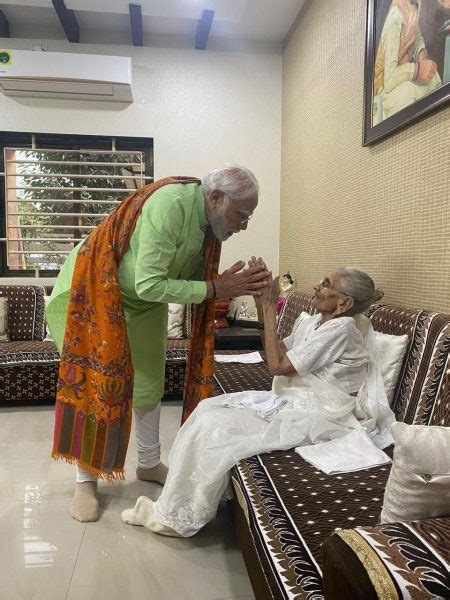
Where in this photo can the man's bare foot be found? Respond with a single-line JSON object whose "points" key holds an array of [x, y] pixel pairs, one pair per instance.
{"points": [[84, 505], [157, 474]]}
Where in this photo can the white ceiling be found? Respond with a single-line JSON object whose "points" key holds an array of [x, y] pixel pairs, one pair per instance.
{"points": [[255, 20]]}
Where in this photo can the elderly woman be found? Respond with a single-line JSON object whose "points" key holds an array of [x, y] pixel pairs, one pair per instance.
{"points": [[325, 385]]}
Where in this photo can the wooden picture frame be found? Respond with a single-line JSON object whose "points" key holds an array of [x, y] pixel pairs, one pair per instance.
{"points": [[389, 110]]}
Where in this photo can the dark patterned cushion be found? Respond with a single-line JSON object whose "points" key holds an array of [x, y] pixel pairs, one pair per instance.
{"points": [[398, 560], [28, 352], [177, 345], [30, 383], [176, 360], [235, 377], [26, 311]]}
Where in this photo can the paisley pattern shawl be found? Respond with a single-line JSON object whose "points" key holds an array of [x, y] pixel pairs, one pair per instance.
{"points": [[199, 378], [95, 383]]}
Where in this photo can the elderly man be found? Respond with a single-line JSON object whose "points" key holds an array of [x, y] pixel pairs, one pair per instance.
{"points": [[108, 315]]}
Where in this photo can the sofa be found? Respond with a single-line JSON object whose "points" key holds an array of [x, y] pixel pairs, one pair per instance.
{"points": [[29, 363], [295, 525]]}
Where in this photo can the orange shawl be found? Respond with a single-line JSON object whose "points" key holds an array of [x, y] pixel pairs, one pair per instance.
{"points": [[95, 384], [199, 377]]}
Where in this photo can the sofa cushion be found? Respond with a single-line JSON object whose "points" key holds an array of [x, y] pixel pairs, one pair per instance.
{"points": [[391, 353], [237, 377], [29, 382], [174, 348], [419, 482], [395, 560], [26, 311], [28, 353]]}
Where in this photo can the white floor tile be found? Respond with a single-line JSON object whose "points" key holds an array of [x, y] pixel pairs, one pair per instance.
{"points": [[46, 555], [38, 548]]}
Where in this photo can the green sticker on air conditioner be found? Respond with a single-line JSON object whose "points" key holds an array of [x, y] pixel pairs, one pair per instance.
{"points": [[5, 57]]}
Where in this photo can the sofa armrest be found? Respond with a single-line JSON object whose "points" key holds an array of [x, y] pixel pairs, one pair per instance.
{"points": [[392, 560]]}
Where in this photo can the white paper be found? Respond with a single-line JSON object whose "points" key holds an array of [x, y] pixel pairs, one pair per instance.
{"points": [[250, 358], [353, 452]]}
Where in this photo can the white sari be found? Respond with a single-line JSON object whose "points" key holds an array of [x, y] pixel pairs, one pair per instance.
{"points": [[337, 389]]}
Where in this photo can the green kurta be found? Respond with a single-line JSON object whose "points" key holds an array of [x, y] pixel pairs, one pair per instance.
{"points": [[165, 252]]}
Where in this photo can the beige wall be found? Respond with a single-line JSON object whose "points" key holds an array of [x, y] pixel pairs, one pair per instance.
{"points": [[202, 109], [385, 208]]}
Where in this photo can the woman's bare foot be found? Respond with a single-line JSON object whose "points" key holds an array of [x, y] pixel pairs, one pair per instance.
{"points": [[142, 514]]}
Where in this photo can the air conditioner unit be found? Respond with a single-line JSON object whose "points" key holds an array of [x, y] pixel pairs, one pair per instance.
{"points": [[65, 75]]}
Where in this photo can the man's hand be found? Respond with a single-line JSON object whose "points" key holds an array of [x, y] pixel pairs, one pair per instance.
{"points": [[237, 281]]}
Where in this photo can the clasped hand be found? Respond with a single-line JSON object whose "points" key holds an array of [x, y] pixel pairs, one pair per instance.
{"points": [[270, 293], [237, 281]]}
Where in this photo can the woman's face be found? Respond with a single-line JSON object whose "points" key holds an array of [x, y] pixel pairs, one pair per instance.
{"points": [[328, 298]]}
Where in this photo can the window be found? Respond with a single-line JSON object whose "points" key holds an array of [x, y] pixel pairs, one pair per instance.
{"points": [[57, 188]]}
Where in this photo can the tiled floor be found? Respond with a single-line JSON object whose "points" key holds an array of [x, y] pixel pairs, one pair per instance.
{"points": [[46, 555]]}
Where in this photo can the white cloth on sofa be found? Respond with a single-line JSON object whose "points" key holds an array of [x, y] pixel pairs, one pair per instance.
{"points": [[352, 452], [249, 358]]}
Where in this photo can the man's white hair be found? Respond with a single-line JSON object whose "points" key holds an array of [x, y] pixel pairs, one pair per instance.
{"points": [[236, 182]]}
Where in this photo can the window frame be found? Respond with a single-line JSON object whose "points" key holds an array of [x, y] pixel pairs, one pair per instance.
{"points": [[28, 140]]}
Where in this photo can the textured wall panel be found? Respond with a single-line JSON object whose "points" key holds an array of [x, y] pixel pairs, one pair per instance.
{"points": [[385, 208]]}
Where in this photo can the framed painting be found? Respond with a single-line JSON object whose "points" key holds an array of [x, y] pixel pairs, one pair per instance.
{"points": [[407, 63]]}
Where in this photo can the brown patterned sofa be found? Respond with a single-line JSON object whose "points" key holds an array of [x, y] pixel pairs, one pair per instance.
{"points": [[29, 365], [176, 358], [305, 534]]}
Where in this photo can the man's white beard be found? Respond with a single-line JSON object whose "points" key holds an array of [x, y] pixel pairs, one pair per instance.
{"points": [[221, 234], [218, 224]]}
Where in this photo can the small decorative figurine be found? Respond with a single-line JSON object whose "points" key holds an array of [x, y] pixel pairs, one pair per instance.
{"points": [[243, 313], [286, 283]]}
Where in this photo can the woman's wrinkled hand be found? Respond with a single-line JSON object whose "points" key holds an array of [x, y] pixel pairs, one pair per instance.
{"points": [[252, 264], [270, 294]]}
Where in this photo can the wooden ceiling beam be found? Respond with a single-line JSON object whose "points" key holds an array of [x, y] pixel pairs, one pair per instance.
{"points": [[4, 25], [137, 32], [203, 29], [68, 21]]}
